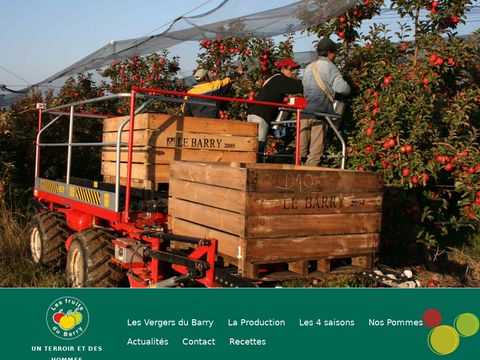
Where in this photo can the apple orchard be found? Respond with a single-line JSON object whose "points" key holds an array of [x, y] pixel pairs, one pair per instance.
{"points": [[414, 113]]}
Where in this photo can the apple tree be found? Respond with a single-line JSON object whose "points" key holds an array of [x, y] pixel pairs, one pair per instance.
{"points": [[415, 116]]}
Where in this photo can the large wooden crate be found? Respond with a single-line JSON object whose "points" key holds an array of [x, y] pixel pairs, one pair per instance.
{"points": [[270, 213], [161, 138]]}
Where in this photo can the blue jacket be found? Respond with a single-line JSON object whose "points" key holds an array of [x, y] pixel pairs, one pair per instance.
{"points": [[317, 100]]}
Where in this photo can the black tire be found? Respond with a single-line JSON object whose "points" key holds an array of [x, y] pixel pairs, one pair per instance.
{"points": [[47, 234], [89, 261]]}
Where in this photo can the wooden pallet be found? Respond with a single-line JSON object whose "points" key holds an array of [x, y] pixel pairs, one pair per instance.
{"points": [[269, 213], [160, 139], [310, 269]]}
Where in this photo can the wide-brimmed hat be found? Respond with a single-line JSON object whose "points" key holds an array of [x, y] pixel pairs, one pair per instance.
{"points": [[288, 63], [200, 74]]}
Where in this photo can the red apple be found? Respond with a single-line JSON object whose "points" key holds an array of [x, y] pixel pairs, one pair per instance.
{"points": [[449, 166], [369, 131], [406, 172], [57, 317]]}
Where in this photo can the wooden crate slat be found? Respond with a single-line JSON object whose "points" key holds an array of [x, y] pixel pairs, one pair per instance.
{"points": [[223, 175], [136, 183], [172, 123], [223, 198], [156, 173], [279, 180], [158, 155], [228, 244], [227, 221], [312, 202], [311, 224], [271, 250], [187, 140]]}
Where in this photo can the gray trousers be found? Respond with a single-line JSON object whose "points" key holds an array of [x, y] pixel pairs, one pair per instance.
{"points": [[262, 132], [313, 134], [262, 126]]}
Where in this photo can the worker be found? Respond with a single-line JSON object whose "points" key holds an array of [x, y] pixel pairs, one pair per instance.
{"points": [[274, 89], [321, 81], [206, 87]]}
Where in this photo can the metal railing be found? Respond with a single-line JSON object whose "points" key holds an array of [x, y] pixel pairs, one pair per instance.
{"points": [[153, 95]]}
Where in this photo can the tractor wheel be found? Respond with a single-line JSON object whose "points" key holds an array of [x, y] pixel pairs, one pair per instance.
{"points": [[89, 261], [47, 234]]}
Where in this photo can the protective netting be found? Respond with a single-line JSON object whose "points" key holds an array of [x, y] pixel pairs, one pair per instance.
{"points": [[271, 21]]}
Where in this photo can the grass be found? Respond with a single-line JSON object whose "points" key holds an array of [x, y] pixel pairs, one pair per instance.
{"points": [[16, 269]]}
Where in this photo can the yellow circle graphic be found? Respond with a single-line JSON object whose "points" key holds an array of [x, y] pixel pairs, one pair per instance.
{"points": [[467, 324], [443, 340]]}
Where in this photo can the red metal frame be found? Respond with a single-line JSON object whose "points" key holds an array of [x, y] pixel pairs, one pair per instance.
{"points": [[122, 221], [210, 252], [39, 128], [126, 212]]}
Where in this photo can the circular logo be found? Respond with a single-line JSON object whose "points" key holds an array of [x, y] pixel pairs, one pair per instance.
{"points": [[67, 318]]}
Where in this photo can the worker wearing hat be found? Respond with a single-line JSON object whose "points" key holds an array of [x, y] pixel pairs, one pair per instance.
{"points": [[274, 90], [206, 87], [321, 81]]}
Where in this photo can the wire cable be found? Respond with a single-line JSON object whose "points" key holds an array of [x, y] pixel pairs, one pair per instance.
{"points": [[188, 12], [17, 76]]}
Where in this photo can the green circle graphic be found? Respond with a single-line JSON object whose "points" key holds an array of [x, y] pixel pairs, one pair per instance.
{"points": [[67, 318], [467, 324], [443, 340]]}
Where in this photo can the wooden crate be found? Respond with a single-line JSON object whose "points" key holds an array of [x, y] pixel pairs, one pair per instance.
{"points": [[161, 138], [271, 213]]}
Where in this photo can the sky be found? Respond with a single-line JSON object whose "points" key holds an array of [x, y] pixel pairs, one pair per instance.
{"points": [[41, 37]]}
